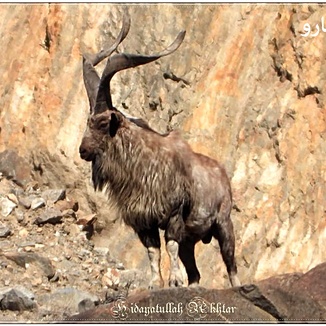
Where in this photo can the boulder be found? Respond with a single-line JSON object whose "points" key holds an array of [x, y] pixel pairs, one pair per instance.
{"points": [[17, 299], [291, 297], [49, 215], [68, 300], [23, 259]]}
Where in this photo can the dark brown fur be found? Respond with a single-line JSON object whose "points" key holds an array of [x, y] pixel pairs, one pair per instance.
{"points": [[156, 181], [159, 182]]}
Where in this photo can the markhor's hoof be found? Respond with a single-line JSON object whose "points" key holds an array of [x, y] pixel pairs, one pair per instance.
{"points": [[175, 283]]}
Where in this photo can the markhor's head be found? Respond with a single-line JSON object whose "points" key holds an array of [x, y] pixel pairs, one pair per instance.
{"points": [[104, 119]]}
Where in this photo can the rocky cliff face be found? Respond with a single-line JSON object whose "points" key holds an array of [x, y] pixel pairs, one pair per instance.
{"points": [[245, 87]]}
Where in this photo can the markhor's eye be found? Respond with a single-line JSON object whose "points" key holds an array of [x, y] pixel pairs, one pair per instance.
{"points": [[103, 125]]}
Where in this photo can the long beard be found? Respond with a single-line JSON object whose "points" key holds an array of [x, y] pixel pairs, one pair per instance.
{"points": [[98, 175]]}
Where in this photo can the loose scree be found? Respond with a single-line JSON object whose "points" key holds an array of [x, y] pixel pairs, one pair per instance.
{"points": [[156, 181]]}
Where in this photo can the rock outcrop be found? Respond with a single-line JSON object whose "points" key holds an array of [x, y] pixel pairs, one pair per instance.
{"points": [[245, 87], [292, 297]]}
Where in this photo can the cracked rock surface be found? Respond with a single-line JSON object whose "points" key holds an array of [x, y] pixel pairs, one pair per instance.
{"points": [[245, 87]]}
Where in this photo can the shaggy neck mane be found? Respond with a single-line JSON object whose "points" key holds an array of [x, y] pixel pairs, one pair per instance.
{"points": [[130, 170]]}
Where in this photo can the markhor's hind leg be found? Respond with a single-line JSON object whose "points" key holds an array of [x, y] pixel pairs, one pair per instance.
{"points": [[176, 279], [187, 256], [223, 232], [151, 240]]}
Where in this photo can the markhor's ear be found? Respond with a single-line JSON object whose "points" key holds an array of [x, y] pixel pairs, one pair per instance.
{"points": [[115, 123]]}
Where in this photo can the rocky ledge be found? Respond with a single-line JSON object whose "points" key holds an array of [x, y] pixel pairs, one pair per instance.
{"points": [[294, 297]]}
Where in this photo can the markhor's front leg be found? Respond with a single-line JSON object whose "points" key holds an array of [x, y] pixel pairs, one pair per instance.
{"points": [[154, 255], [151, 240]]}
